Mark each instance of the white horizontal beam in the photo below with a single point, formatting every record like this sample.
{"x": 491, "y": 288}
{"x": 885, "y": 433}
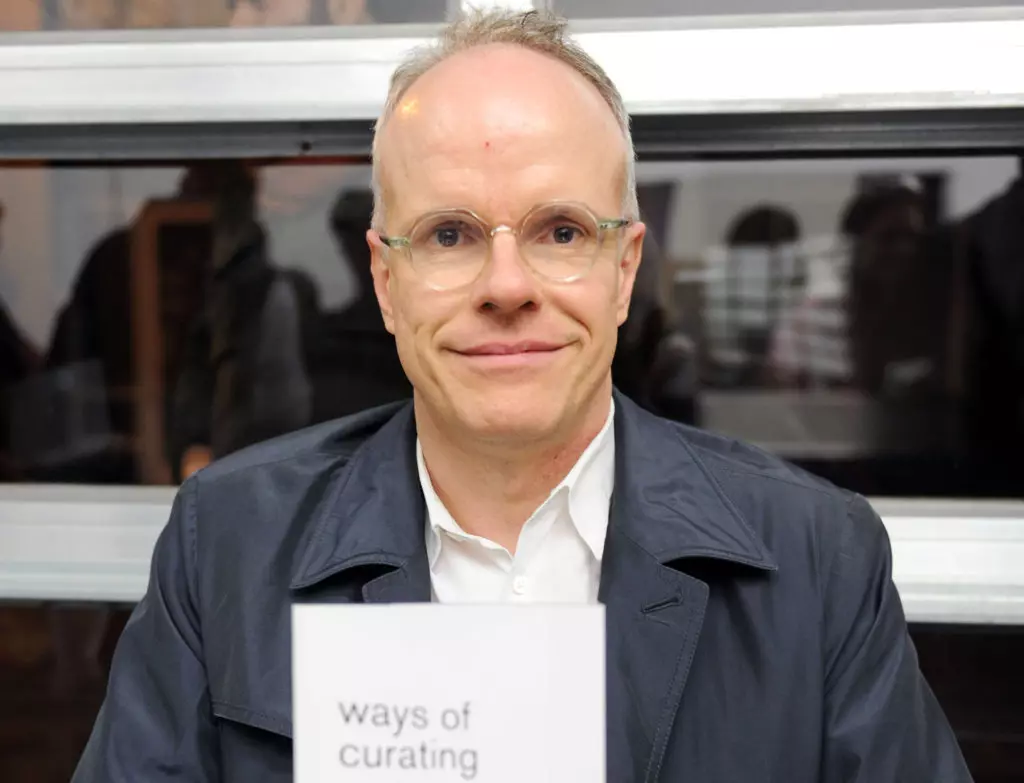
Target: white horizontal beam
{"x": 70, "y": 543}
{"x": 483, "y": 5}
{"x": 954, "y": 562}
{"x": 918, "y": 62}
{"x": 957, "y": 562}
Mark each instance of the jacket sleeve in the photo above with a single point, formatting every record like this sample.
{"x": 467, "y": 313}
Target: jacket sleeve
{"x": 155, "y": 723}
{"x": 883, "y": 723}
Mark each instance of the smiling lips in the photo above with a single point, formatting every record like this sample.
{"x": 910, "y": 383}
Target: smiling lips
{"x": 511, "y": 355}
{"x": 508, "y": 349}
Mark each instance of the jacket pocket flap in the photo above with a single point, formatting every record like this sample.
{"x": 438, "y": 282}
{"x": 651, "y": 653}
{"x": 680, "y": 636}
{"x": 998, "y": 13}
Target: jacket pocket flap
{"x": 258, "y": 720}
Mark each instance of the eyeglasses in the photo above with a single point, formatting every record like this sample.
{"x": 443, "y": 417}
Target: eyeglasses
{"x": 560, "y": 241}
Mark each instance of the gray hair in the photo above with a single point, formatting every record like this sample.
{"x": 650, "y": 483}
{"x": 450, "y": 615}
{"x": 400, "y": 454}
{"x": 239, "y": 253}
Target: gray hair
{"x": 538, "y": 31}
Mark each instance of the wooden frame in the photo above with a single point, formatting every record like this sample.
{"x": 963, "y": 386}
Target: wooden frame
{"x": 147, "y": 330}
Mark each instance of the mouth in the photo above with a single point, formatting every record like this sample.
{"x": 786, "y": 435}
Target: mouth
{"x": 501, "y": 355}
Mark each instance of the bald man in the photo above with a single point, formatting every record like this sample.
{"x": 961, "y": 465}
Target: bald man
{"x": 754, "y": 632}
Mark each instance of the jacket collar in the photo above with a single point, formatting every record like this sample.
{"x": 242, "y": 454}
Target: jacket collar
{"x": 666, "y": 502}
{"x": 373, "y": 513}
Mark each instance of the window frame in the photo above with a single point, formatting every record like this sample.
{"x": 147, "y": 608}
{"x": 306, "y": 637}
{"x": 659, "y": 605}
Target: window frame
{"x": 313, "y": 74}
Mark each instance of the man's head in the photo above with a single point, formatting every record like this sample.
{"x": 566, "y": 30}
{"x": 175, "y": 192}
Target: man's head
{"x": 501, "y": 117}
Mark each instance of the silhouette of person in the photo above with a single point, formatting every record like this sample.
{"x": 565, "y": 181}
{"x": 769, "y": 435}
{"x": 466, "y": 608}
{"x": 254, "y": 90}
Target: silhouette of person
{"x": 243, "y": 375}
{"x": 760, "y": 276}
{"x": 896, "y": 296}
{"x": 353, "y": 359}
{"x": 653, "y": 364}
{"x": 18, "y": 360}
{"x": 992, "y": 240}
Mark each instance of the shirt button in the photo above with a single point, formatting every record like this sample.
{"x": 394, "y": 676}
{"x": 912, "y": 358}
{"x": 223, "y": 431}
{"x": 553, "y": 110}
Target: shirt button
{"x": 519, "y": 585}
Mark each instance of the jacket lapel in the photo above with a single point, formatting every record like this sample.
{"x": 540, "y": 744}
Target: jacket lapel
{"x": 372, "y": 526}
{"x": 666, "y": 511}
{"x": 654, "y": 615}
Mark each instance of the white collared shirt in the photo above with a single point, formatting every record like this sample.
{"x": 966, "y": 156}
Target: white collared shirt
{"x": 558, "y": 555}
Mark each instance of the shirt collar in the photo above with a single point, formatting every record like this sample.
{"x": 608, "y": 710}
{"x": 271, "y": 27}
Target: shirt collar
{"x": 588, "y": 485}
{"x": 669, "y": 500}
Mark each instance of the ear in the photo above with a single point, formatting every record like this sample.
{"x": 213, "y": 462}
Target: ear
{"x": 629, "y": 265}
{"x": 381, "y": 278}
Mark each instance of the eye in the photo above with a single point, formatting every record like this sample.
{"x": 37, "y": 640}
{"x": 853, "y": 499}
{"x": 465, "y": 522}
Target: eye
{"x": 565, "y": 234}
{"x": 447, "y": 236}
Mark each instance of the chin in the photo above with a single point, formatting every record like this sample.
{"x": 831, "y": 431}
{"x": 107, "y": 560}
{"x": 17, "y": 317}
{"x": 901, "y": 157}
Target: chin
{"x": 513, "y": 413}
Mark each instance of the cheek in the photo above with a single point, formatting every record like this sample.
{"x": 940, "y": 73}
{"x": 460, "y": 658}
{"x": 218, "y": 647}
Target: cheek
{"x": 408, "y": 319}
{"x": 418, "y": 315}
{"x": 595, "y": 305}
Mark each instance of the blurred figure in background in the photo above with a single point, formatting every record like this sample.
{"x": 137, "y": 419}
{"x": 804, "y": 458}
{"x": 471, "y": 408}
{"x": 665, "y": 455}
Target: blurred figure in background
{"x": 352, "y": 358}
{"x": 654, "y": 364}
{"x": 285, "y": 13}
{"x": 993, "y": 242}
{"x": 162, "y": 14}
{"x": 243, "y": 376}
{"x": 898, "y": 297}
{"x": 117, "y": 14}
{"x": 752, "y": 282}
{"x": 282, "y": 13}
{"x": 90, "y": 384}
{"x": 18, "y": 360}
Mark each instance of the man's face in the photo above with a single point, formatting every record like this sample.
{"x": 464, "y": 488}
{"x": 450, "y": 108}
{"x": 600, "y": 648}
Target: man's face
{"x": 498, "y": 130}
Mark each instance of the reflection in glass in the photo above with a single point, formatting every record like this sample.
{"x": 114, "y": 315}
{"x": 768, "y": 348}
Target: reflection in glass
{"x": 857, "y": 317}
{"x": 200, "y": 309}
{"x": 163, "y": 14}
{"x": 610, "y": 9}
{"x": 839, "y": 322}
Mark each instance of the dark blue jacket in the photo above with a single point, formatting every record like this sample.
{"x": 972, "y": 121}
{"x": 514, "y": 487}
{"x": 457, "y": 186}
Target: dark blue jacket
{"x": 754, "y": 633}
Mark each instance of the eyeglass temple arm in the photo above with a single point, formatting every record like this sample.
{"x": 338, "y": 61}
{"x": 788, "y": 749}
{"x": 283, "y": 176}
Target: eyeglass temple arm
{"x": 605, "y": 225}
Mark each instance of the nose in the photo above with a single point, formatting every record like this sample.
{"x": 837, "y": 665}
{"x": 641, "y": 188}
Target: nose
{"x": 506, "y": 284}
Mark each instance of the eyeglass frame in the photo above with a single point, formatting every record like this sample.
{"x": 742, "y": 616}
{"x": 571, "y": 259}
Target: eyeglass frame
{"x": 604, "y": 225}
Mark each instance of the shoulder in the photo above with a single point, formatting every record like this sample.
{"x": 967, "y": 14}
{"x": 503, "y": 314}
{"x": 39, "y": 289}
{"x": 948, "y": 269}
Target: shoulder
{"x": 324, "y": 445}
{"x": 736, "y": 463}
{"x": 261, "y": 501}
{"x": 797, "y": 516}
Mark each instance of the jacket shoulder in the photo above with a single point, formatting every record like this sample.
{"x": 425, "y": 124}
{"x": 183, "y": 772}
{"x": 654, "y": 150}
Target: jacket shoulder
{"x": 253, "y": 511}
{"x": 781, "y": 502}
{"x": 329, "y": 444}
{"x": 725, "y": 457}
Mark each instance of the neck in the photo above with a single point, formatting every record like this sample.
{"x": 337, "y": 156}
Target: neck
{"x": 492, "y": 489}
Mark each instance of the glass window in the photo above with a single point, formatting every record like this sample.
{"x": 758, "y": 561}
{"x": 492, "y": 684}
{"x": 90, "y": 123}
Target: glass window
{"x": 147, "y": 14}
{"x": 859, "y": 317}
{"x": 156, "y": 317}
{"x": 602, "y": 9}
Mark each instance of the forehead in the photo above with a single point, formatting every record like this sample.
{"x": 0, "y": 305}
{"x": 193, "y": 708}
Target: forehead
{"x": 499, "y": 128}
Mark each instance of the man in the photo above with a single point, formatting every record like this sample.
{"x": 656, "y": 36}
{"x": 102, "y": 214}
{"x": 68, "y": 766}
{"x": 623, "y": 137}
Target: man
{"x": 754, "y": 633}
